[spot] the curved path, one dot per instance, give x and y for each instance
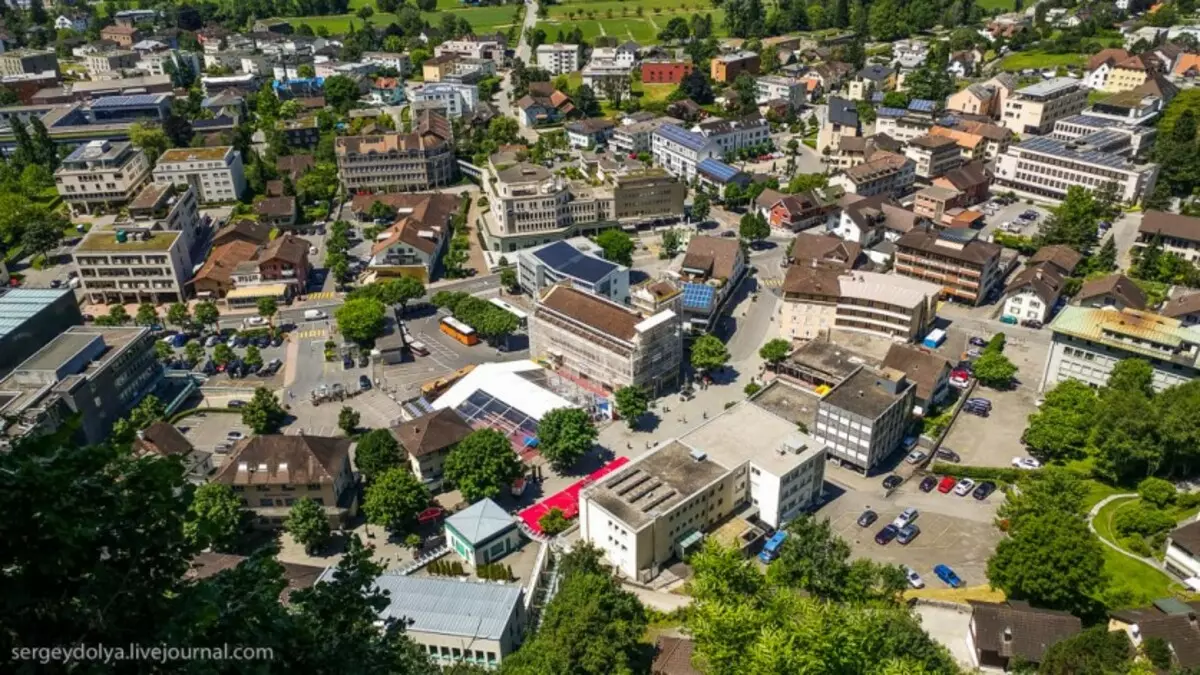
(1092, 516)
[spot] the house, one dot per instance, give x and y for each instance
(1184, 308)
(1100, 65)
(76, 22)
(795, 212)
(427, 441)
(886, 173)
(826, 249)
(1013, 632)
(929, 372)
(831, 74)
(278, 212)
(1176, 234)
(271, 472)
(210, 563)
(841, 120)
(872, 78)
(123, 36)
(278, 267)
(414, 242)
(589, 133)
(1168, 619)
(974, 99)
(909, 54)
(164, 440)
(867, 221)
(963, 64)
(971, 179)
(544, 107)
(482, 533)
(1033, 293)
(711, 270)
(1115, 291)
(387, 91)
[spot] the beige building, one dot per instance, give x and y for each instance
(558, 58)
(818, 298)
(933, 155)
(885, 173)
(101, 173)
(27, 61)
(604, 342)
(398, 162)
(271, 472)
(108, 62)
(1035, 109)
(660, 506)
(215, 174)
(967, 269)
(427, 441)
(1175, 233)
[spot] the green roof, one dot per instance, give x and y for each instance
(105, 241)
(1125, 329)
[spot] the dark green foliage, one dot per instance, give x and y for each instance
(1095, 651)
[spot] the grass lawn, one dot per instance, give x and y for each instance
(594, 20)
(1002, 5)
(1145, 583)
(653, 92)
(1096, 492)
(483, 19)
(1039, 60)
(1104, 518)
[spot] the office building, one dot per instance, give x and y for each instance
(636, 138)
(455, 99)
(1035, 109)
(819, 297)
(1049, 166)
(215, 174)
(1097, 118)
(577, 261)
(606, 343)
(725, 68)
(558, 59)
(94, 372)
(736, 134)
(665, 72)
(398, 162)
(28, 61)
(661, 505)
(1174, 233)
(966, 268)
(269, 473)
(679, 151)
(933, 155)
(863, 419)
(30, 318)
(777, 88)
(1087, 343)
(886, 173)
(106, 63)
(101, 173)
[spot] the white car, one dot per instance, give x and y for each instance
(914, 579)
(964, 487)
(1026, 463)
(915, 457)
(907, 516)
(256, 321)
(235, 435)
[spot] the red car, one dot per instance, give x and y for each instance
(960, 378)
(947, 484)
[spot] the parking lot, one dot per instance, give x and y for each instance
(955, 531)
(210, 431)
(1010, 213)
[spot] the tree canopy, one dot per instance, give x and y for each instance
(376, 452)
(361, 319)
(394, 500)
(617, 246)
(708, 353)
(483, 464)
(565, 435)
(262, 413)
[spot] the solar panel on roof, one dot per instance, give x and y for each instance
(123, 101)
(921, 105)
(890, 112)
(683, 137)
(717, 170)
(568, 260)
(698, 296)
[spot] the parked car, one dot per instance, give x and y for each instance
(907, 534)
(915, 457)
(276, 341)
(364, 382)
(976, 410)
(914, 579)
(960, 378)
(887, 534)
(983, 490)
(256, 321)
(906, 516)
(964, 487)
(867, 518)
(347, 362)
(910, 443)
(981, 402)
(364, 360)
(948, 455)
(1032, 323)
(1026, 463)
(891, 482)
(212, 341)
(928, 483)
(977, 341)
(947, 576)
(947, 484)
(235, 435)
(236, 403)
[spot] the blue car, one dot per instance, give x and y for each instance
(948, 576)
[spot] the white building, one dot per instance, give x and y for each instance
(1088, 342)
(482, 533)
(818, 299)
(1049, 166)
(863, 418)
(474, 47)
(1035, 109)
(558, 59)
(577, 261)
(773, 87)
(608, 76)
(635, 138)
(1183, 551)
(679, 151)
(101, 172)
(215, 174)
(664, 502)
(457, 99)
(398, 60)
(909, 54)
(735, 134)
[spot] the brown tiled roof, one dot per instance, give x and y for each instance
(1044, 279)
(768, 198)
(243, 230)
(432, 123)
(408, 230)
(1187, 537)
(295, 165)
(925, 240)
(1171, 225)
(276, 206)
(1016, 630)
(428, 208)
(813, 280)
(932, 141)
(209, 564)
(601, 315)
(1061, 255)
(881, 162)
(430, 433)
(673, 656)
(162, 439)
(1109, 56)
(223, 259)
(992, 132)
(1181, 634)
(288, 460)
(826, 247)
(1182, 306)
(921, 368)
(717, 255)
(966, 176)
(274, 188)
(288, 248)
(1117, 285)
(312, 102)
(119, 30)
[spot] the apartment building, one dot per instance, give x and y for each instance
(711, 270)
(398, 60)
(818, 298)
(606, 343)
(95, 374)
(427, 441)
(578, 262)
(105, 63)
(886, 173)
(101, 173)
(977, 140)
(1036, 290)
(269, 473)
(736, 134)
(658, 507)
(679, 151)
(27, 61)
(145, 256)
(610, 70)
(1034, 109)
(966, 268)
(215, 174)
(841, 121)
(863, 418)
(394, 162)
(933, 155)
(1176, 234)
(491, 48)
(933, 202)
(665, 72)
(1049, 166)
(558, 58)
(454, 98)
(902, 125)
(589, 133)
(777, 88)
(725, 68)
(1088, 343)
(632, 139)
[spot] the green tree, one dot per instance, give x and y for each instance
(147, 314)
(1095, 651)
(1051, 561)
(1061, 428)
(151, 140)
(701, 206)
(361, 320)
(553, 522)
(163, 351)
(394, 500)
(223, 354)
(117, 315)
(775, 351)
(617, 246)
(1132, 375)
(341, 92)
(1053, 490)
(267, 308)
(482, 464)
(42, 234)
(262, 413)
(1156, 491)
(672, 241)
(149, 410)
(994, 370)
(753, 227)
(348, 419)
(215, 517)
(307, 524)
(207, 314)
(193, 352)
(632, 403)
(178, 315)
(508, 280)
(1074, 221)
(708, 353)
(253, 358)
(376, 452)
(565, 435)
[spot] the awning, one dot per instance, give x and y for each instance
(263, 291)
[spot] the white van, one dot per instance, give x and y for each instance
(313, 314)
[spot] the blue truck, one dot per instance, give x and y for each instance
(770, 550)
(935, 338)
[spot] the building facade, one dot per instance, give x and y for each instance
(726, 67)
(1049, 167)
(576, 261)
(101, 173)
(933, 155)
(819, 298)
(966, 268)
(558, 59)
(395, 162)
(214, 174)
(269, 473)
(1035, 109)
(863, 419)
(679, 151)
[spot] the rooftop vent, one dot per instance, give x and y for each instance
(698, 455)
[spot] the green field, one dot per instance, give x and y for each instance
(1004, 6)
(1040, 60)
(483, 19)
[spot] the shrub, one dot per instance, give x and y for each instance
(1137, 545)
(1188, 500)
(1142, 519)
(752, 388)
(1156, 491)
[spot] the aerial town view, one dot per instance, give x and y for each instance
(600, 337)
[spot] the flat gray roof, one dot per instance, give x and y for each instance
(450, 607)
(747, 432)
(1049, 87)
(655, 482)
(71, 342)
(865, 393)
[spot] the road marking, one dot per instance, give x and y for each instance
(322, 295)
(311, 334)
(771, 283)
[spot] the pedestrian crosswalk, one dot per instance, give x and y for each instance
(311, 334)
(771, 283)
(322, 295)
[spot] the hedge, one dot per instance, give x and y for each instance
(978, 472)
(183, 414)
